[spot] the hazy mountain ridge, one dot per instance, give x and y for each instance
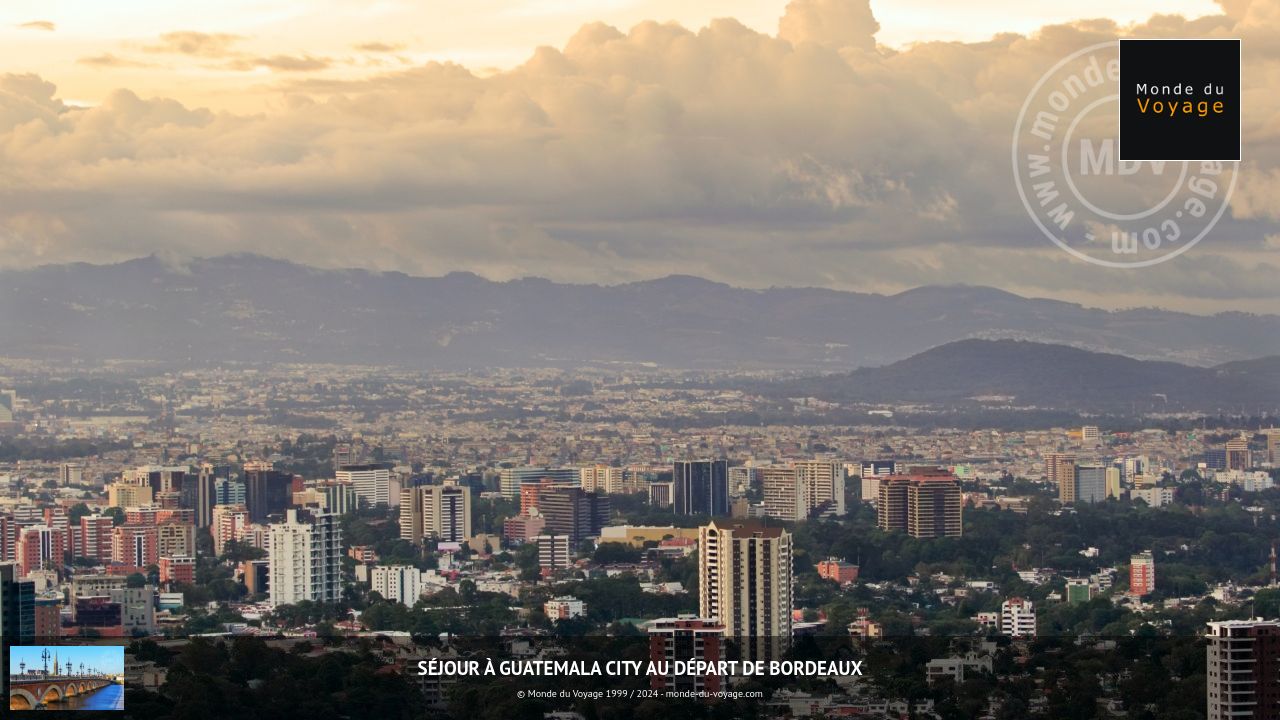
(1011, 372)
(246, 307)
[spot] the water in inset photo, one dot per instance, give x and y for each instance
(66, 677)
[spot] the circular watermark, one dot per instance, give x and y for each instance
(1082, 196)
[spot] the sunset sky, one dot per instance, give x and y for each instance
(826, 142)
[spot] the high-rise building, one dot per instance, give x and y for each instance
(1242, 672)
(230, 522)
(175, 539)
(70, 474)
(601, 478)
(267, 491)
(123, 494)
(1090, 435)
(1142, 574)
(701, 487)
(40, 547)
(1091, 483)
(1238, 454)
(305, 559)
(398, 583)
(1060, 472)
(178, 569)
(371, 482)
(441, 511)
(1018, 617)
(135, 546)
(95, 537)
(683, 639)
(573, 512)
(554, 553)
(744, 584)
(802, 490)
(662, 494)
(925, 504)
(206, 496)
(511, 480)
(17, 605)
(1273, 445)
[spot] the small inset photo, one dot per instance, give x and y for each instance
(66, 677)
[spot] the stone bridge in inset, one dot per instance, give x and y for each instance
(41, 691)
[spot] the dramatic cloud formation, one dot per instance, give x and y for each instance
(807, 157)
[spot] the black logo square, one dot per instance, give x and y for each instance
(1179, 99)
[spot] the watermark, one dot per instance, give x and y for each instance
(1103, 210)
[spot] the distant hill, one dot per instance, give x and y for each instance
(247, 307)
(976, 372)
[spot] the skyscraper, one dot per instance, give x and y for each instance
(267, 491)
(441, 511)
(1091, 483)
(1238, 454)
(207, 489)
(701, 487)
(925, 504)
(510, 480)
(17, 605)
(744, 584)
(305, 559)
(1242, 670)
(1142, 574)
(573, 512)
(1060, 472)
(371, 481)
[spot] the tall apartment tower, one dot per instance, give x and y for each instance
(442, 512)
(701, 487)
(601, 478)
(681, 639)
(372, 482)
(1142, 574)
(1060, 472)
(801, 490)
(745, 576)
(925, 504)
(305, 559)
(1091, 483)
(1242, 672)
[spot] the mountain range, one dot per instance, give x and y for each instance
(253, 308)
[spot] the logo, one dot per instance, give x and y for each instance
(1082, 196)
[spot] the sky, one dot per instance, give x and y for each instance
(836, 143)
(107, 658)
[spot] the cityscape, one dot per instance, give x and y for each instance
(309, 506)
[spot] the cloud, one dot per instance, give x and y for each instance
(809, 157)
(108, 60)
(283, 63)
(44, 25)
(188, 42)
(379, 47)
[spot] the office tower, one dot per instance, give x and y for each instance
(1113, 475)
(1273, 445)
(701, 487)
(442, 512)
(744, 583)
(267, 491)
(70, 474)
(1060, 472)
(135, 546)
(331, 496)
(1242, 670)
(371, 482)
(8, 539)
(554, 553)
(601, 479)
(39, 546)
(1238, 454)
(17, 605)
(176, 539)
(925, 504)
(1090, 435)
(95, 537)
(210, 481)
(230, 522)
(399, 583)
(573, 512)
(123, 494)
(160, 478)
(305, 557)
(1142, 574)
(683, 639)
(510, 480)
(1091, 483)
(228, 492)
(1018, 618)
